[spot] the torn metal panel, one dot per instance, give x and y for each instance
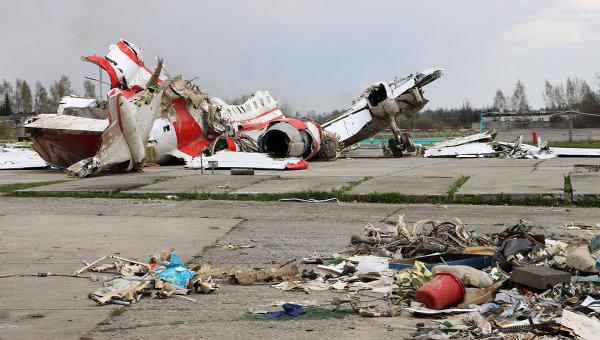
(15, 157)
(124, 141)
(381, 106)
(479, 137)
(576, 152)
(63, 140)
(82, 107)
(66, 124)
(464, 150)
(125, 67)
(247, 160)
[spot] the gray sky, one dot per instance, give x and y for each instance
(314, 54)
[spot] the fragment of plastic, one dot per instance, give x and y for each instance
(289, 309)
(591, 303)
(514, 299)
(370, 263)
(594, 245)
(175, 272)
(468, 275)
(178, 276)
(442, 291)
(415, 276)
(511, 247)
(580, 259)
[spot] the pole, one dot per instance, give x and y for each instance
(100, 82)
(570, 126)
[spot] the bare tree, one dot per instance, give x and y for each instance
(59, 89)
(570, 90)
(24, 96)
(6, 88)
(560, 97)
(42, 102)
(89, 89)
(549, 99)
(499, 101)
(519, 98)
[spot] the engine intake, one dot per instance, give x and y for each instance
(291, 138)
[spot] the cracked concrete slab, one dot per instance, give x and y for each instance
(407, 185)
(58, 307)
(515, 185)
(197, 183)
(30, 176)
(586, 185)
(283, 185)
(102, 184)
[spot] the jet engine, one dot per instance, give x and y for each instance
(291, 138)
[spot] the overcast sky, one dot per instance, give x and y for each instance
(314, 54)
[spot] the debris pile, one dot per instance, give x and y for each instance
(163, 276)
(485, 145)
(486, 287)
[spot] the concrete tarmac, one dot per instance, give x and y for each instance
(55, 234)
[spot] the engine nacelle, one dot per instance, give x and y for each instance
(291, 138)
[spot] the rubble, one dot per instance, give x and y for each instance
(162, 277)
(526, 288)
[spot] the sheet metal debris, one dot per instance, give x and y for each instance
(173, 119)
(485, 145)
(13, 156)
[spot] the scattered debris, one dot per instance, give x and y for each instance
(485, 145)
(163, 276)
(524, 287)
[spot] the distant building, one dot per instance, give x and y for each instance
(500, 120)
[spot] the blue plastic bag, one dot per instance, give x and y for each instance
(175, 272)
(289, 309)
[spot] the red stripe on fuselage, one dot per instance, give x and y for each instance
(189, 133)
(106, 66)
(134, 57)
(258, 126)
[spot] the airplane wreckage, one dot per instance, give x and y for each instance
(148, 112)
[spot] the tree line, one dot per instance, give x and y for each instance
(19, 97)
(575, 94)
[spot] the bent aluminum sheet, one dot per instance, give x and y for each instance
(20, 158)
(471, 149)
(249, 160)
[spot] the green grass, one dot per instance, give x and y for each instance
(576, 144)
(348, 186)
(454, 188)
(10, 188)
(117, 311)
(568, 188)
(342, 194)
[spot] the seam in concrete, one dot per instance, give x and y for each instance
(205, 248)
(390, 214)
